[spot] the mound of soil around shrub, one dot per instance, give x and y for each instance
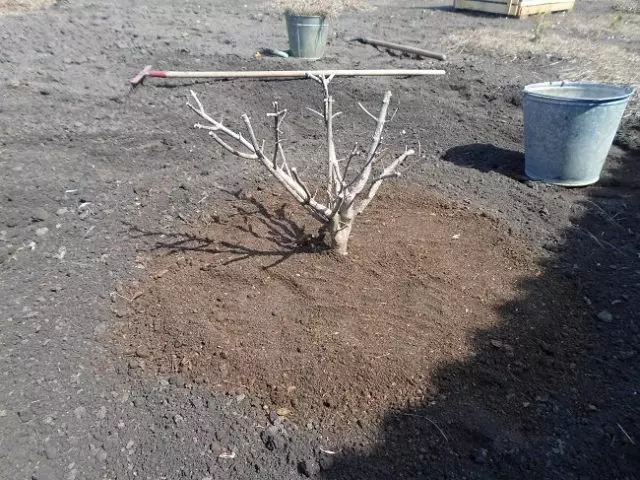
(237, 302)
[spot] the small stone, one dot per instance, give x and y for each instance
(274, 418)
(79, 412)
(496, 344)
(101, 455)
(50, 452)
(592, 408)
(61, 211)
(13, 83)
(273, 439)
(216, 448)
(308, 468)
(605, 316)
(102, 412)
(177, 380)
(25, 416)
(41, 232)
(325, 461)
(480, 456)
(100, 329)
(44, 473)
(177, 418)
(546, 348)
(240, 398)
(40, 215)
(3, 413)
(142, 352)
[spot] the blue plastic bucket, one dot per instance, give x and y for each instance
(307, 36)
(569, 128)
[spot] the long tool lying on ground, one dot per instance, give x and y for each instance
(396, 46)
(286, 74)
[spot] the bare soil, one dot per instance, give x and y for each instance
(236, 304)
(513, 347)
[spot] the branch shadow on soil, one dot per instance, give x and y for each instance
(488, 158)
(286, 236)
(553, 391)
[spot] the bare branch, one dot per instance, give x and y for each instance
(252, 135)
(367, 112)
(362, 178)
(388, 172)
(301, 183)
(335, 177)
(353, 154)
(390, 175)
(315, 111)
(230, 149)
(314, 78)
(284, 175)
(285, 164)
(278, 118)
(195, 97)
(345, 200)
(336, 208)
(367, 165)
(218, 126)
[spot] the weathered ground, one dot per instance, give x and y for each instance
(545, 385)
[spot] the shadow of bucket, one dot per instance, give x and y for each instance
(569, 129)
(307, 36)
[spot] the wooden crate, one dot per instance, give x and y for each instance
(515, 8)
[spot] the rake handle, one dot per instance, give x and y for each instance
(284, 74)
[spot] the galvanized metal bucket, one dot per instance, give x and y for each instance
(307, 36)
(569, 128)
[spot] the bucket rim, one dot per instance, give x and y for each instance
(295, 15)
(537, 90)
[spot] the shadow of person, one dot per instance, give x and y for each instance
(551, 390)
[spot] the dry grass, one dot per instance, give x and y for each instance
(325, 8)
(581, 57)
(8, 7)
(628, 6)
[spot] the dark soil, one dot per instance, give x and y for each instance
(101, 183)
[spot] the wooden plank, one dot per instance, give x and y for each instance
(528, 3)
(531, 9)
(486, 6)
(517, 8)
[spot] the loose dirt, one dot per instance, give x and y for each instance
(235, 305)
(107, 192)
